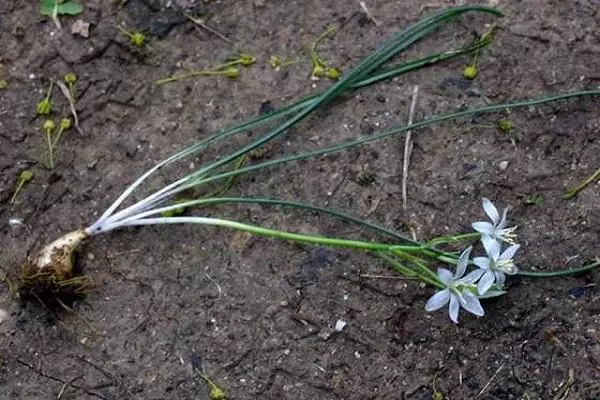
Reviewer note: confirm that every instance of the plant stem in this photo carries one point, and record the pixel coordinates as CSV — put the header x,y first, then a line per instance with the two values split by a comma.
x,y
573,192
267,232
50,148
564,272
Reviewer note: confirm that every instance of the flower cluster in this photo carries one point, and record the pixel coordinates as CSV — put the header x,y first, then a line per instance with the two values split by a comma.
x,y
489,277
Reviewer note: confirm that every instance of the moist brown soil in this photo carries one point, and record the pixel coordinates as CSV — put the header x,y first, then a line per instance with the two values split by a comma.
x,y
258,315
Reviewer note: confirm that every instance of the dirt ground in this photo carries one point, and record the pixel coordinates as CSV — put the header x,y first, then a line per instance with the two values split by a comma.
x,y
259,314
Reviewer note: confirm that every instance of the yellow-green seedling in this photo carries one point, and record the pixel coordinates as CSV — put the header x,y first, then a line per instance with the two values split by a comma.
x,y
136,38
65,125
472,70
24,177
71,79
320,67
56,8
228,69
216,392
506,126
3,84
44,107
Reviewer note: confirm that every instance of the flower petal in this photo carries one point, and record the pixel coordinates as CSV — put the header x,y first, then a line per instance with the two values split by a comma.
x,y
463,260
483,227
500,278
492,247
453,309
472,277
486,282
503,221
438,300
444,275
482,262
491,210
509,253
471,303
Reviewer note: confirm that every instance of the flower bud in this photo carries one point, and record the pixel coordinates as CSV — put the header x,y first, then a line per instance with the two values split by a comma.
x,y
49,125
231,72
333,73
44,107
65,124
71,78
26,176
138,39
470,72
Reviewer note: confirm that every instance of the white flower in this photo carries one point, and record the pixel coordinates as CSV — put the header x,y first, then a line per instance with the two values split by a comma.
x,y
495,265
496,230
459,291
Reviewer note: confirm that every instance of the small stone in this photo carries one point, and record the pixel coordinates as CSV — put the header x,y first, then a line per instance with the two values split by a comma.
x,y
3,316
340,325
81,28
503,165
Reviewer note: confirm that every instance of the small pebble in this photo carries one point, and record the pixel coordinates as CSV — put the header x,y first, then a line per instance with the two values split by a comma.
x,y
340,325
503,165
3,316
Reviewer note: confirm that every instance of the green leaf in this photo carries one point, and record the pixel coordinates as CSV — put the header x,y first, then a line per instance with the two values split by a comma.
x,y
70,8
47,7
53,8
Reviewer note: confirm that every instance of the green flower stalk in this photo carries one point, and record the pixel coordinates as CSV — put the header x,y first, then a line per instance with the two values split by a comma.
x,y
138,39
24,178
71,79
49,128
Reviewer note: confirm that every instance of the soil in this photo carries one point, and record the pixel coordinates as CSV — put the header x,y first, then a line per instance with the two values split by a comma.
x,y
257,315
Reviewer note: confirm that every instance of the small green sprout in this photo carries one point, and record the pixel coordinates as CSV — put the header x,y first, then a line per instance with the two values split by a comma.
x,y
321,67
506,126
44,107
470,72
71,79
228,69
534,199
276,63
56,8
246,59
49,128
3,84
24,177
216,392
231,72
137,38
334,73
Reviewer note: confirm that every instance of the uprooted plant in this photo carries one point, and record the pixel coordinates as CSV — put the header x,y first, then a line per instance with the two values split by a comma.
x,y
52,270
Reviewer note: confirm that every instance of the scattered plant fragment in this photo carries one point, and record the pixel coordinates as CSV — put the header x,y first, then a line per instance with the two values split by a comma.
x,y
216,392
228,69
534,199
44,107
408,257
575,191
56,8
137,38
320,67
24,177
3,84
70,79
